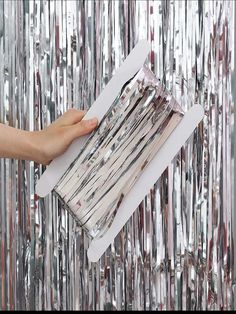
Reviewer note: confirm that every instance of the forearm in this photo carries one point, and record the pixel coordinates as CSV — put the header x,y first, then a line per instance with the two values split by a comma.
x,y
17,144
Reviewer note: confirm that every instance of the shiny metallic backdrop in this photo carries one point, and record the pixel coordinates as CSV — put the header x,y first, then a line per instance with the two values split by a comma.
x,y
176,252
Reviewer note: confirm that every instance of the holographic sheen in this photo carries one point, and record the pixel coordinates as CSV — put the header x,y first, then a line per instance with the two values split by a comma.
x,y
177,250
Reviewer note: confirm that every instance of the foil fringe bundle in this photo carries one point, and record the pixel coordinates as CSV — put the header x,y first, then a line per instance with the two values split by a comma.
x,y
113,158
176,252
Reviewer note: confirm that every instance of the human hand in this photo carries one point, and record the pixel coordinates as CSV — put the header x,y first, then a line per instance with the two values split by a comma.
x,y
56,138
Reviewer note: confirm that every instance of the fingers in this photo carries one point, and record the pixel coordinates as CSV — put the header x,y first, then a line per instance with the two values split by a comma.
x,y
82,128
70,117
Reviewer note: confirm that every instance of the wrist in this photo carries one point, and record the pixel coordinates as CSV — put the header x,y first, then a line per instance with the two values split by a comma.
x,y
27,145
35,150
21,144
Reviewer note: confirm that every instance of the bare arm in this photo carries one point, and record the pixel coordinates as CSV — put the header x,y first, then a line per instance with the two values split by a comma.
x,y
43,146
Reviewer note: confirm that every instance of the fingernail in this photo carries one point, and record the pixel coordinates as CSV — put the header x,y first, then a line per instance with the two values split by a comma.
x,y
93,121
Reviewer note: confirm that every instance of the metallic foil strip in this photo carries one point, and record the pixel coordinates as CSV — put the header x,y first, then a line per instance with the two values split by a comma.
x,y
176,252
130,134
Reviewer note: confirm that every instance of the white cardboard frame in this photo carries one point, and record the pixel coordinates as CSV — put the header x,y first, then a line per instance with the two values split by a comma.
x,y
151,173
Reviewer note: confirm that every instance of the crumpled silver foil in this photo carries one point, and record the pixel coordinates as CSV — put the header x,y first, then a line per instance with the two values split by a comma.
x,y
176,251
132,131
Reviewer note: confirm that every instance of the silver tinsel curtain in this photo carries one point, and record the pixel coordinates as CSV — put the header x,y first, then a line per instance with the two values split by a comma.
x,y
176,252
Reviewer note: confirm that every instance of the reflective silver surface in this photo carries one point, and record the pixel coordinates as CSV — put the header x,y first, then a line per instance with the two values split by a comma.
x,y
176,252
133,130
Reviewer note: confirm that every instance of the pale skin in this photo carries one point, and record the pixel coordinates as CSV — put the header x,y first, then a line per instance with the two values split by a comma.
x,y
43,146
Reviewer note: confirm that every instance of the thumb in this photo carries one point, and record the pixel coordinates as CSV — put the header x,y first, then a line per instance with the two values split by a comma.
x,y
83,127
